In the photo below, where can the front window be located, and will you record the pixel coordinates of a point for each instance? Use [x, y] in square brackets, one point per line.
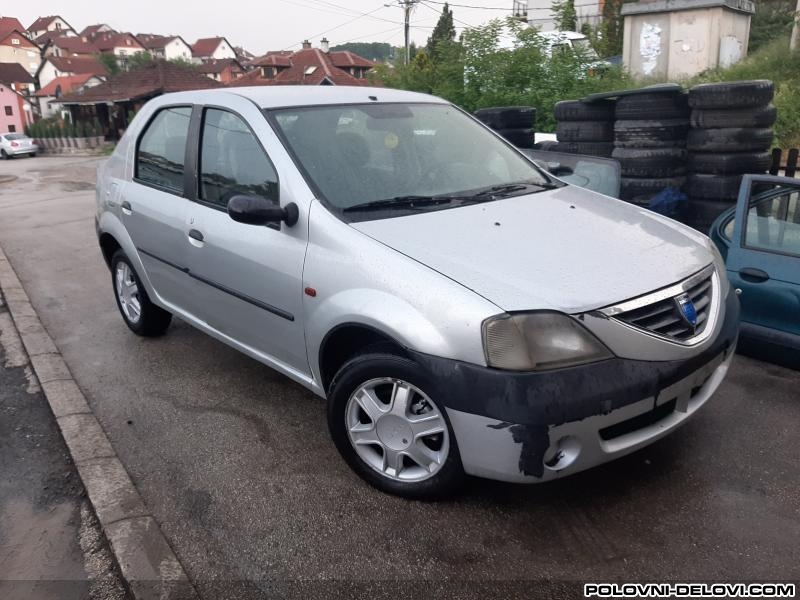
[370, 153]
[773, 224]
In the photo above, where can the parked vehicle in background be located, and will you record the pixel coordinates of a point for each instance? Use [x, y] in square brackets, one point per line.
[760, 240]
[15, 144]
[578, 43]
[462, 311]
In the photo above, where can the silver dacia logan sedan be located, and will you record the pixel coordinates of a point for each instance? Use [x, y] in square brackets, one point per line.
[462, 311]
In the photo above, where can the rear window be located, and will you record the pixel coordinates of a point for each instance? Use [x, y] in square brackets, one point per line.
[161, 149]
[15, 136]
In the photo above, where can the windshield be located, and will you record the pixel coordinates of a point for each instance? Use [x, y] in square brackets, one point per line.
[367, 153]
[585, 46]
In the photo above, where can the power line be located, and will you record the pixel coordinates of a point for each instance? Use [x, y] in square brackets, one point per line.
[472, 6]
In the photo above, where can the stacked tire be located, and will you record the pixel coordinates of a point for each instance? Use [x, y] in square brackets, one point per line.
[650, 143]
[731, 134]
[585, 127]
[515, 123]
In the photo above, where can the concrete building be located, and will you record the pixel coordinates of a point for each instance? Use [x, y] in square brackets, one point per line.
[675, 39]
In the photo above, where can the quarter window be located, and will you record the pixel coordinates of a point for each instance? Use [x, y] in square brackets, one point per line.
[161, 150]
[773, 224]
[232, 161]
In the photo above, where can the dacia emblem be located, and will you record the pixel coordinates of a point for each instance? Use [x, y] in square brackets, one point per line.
[687, 310]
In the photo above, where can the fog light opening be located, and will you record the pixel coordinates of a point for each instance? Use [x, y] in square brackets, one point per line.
[562, 454]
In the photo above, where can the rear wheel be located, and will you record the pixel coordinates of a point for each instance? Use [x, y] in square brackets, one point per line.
[4, 155]
[139, 313]
[391, 431]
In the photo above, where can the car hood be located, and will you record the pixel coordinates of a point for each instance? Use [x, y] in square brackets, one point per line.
[566, 249]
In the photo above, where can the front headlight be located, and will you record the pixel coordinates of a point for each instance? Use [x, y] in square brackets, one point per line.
[539, 341]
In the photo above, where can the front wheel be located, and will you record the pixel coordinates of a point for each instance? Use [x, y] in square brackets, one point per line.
[390, 430]
[139, 313]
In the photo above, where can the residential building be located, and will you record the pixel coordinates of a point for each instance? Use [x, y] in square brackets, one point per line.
[55, 66]
[309, 66]
[53, 23]
[113, 100]
[17, 78]
[243, 56]
[121, 45]
[683, 38]
[15, 111]
[91, 31]
[17, 48]
[50, 95]
[8, 24]
[70, 46]
[168, 47]
[224, 70]
[539, 13]
[212, 48]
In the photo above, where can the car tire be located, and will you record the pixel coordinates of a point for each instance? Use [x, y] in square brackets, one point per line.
[601, 149]
[644, 106]
[32, 155]
[521, 138]
[713, 187]
[4, 155]
[702, 212]
[734, 163]
[735, 94]
[711, 118]
[131, 297]
[585, 131]
[651, 162]
[651, 133]
[508, 117]
[378, 370]
[730, 139]
[575, 110]
[642, 188]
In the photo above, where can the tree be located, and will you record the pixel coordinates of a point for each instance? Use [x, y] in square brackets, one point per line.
[377, 51]
[773, 19]
[138, 60]
[565, 16]
[109, 61]
[443, 33]
[609, 36]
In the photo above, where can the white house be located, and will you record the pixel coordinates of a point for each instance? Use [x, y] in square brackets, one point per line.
[168, 47]
[53, 23]
[539, 13]
[48, 96]
[216, 48]
[55, 66]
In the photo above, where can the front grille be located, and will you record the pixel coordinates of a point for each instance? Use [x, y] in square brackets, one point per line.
[664, 318]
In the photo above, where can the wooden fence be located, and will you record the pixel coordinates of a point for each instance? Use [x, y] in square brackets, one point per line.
[790, 166]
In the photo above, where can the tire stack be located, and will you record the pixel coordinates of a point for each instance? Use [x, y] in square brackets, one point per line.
[585, 127]
[650, 143]
[731, 134]
[515, 123]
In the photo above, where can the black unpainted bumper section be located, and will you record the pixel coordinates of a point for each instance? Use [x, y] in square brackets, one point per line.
[529, 403]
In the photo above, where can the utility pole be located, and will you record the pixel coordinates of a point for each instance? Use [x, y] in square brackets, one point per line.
[408, 7]
[796, 30]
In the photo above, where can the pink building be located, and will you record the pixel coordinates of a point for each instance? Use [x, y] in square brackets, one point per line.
[15, 111]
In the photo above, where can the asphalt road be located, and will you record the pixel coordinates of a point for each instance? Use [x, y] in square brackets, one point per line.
[51, 545]
[235, 462]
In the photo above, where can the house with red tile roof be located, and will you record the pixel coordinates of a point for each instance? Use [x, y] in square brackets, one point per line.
[8, 24]
[169, 47]
[17, 78]
[17, 111]
[51, 23]
[309, 66]
[60, 66]
[16, 47]
[90, 31]
[122, 45]
[212, 48]
[50, 95]
[70, 46]
[224, 70]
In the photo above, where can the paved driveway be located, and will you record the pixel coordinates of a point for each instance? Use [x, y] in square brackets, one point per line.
[235, 462]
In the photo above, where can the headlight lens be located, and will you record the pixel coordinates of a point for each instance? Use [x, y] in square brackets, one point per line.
[539, 341]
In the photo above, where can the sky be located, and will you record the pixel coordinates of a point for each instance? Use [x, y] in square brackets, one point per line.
[261, 25]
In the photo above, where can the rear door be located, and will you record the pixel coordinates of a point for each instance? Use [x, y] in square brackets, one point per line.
[764, 256]
[252, 275]
[154, 208]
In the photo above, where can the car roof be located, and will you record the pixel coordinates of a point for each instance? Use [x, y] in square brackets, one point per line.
[284, 96]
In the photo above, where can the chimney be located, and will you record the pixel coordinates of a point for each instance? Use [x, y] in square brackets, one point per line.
[306, 45]
[324, 45]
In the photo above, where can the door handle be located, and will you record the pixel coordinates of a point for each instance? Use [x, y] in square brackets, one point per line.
[126, 207]
[196, 235]
[753, 275]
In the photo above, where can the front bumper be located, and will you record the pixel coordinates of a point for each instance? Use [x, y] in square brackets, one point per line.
[533, 427]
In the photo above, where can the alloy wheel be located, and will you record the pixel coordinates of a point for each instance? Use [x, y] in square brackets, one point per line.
[128, 292]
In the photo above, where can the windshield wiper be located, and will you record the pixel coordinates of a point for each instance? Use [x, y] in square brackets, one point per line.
[400, 202]
[508, 189]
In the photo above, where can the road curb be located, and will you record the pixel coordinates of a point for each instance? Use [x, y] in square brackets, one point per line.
[146, 561]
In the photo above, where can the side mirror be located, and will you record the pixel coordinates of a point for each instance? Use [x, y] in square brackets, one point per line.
[254, 210]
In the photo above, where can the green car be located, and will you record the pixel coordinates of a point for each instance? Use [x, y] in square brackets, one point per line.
[760, 241]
